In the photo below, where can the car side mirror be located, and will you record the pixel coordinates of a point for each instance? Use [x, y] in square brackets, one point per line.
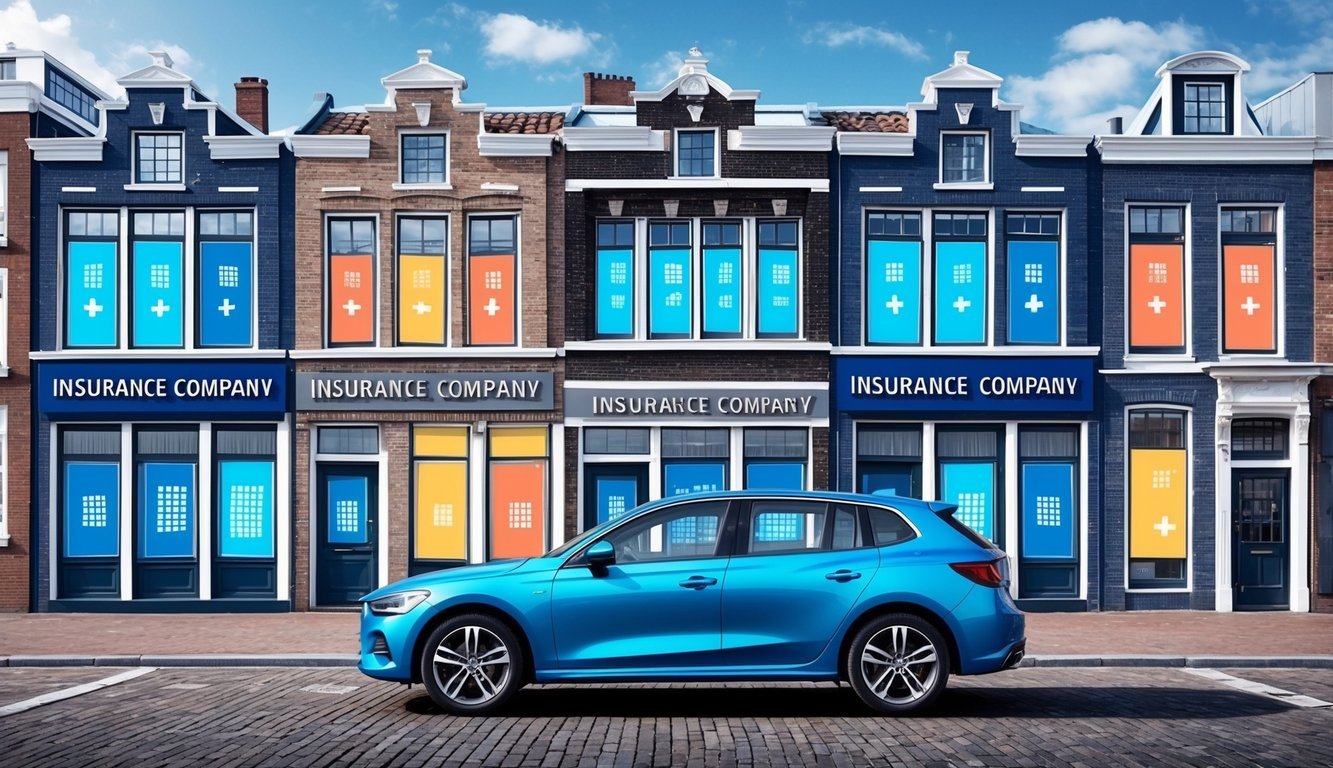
[601, 554]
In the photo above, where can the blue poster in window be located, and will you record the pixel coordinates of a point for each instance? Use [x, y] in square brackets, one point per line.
[1049, 513]
[159, 317]
[166, 510]
[1034, 292]
[92, 509]
[779, 289]
[971, 486]
[722, 290]
[348, 501]
[225, 284]
[960, 293]
[670, 292]
[893, 292]
[245, 509]
[776, 476]
[895, 481]
[90, 295]
[616, 496]
[615, 293]
[694, 477]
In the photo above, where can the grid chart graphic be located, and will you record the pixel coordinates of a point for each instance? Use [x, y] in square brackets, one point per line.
[229, 276]
[351, 279]
[494, 280]
[675, 299]
[92, 275]
[618, 301]
[159, 276]
[619, 273]
[673, 274]
[443, 515]
[347, 516]
[894, 272]
[615, 506]
[962, 274]
[1161, 478]
[520, 514]
[782, 301]
[726, 301]
[94, 511]
[781, 274]
[779, 527]
[421, 278]
[1249, 274]
[726, 273]
[972, 509]
[247, 512]
[1048, 510]
[1157, 272]
[172, 508]
[692, 530]
[1032, 273]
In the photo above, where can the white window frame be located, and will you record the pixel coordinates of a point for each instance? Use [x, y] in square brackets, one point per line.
[448, 276]
[324, 298]
[4, 198]
[135, 185]
[4, 356]
[401, 184]
[1279, 284]
[675, 153]
[1184, 93]
[4, 475]
[1189, 499]
[466, 257]
[1134, 358]
[986, 180]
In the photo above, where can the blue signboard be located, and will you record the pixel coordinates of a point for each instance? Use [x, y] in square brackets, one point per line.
[348, 510]
[92, 509]
[778, 283]
[90, 295]
[971, 486]
[159, 319]
[670, 292]
[1056, 384]
[202, 389]
[226, 281]
[245, 509]
[166, 510]
[722, 290]
[775, 476]
[616, 496]
[615, 292]
[1049, 512]
[1034, 292]
[893, 292]
[960, 293]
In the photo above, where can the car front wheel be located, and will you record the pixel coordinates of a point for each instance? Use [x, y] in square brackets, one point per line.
[898, 664]
[471, 665]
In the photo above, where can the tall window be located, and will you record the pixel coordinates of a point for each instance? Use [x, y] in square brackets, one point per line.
[492, 280]
[157, 291]
[517, 472]
[350, 298]
[166, 468]
[425, 158]
[696, 153]
[1205, 108]
[775, 459]
[970, 467]
[1156, 279]
[225, 277]
[670, 290]
[961, 266]
[893, 277]
[1034, 277]
[963, 158]
[779, 277]
[722, 279]
[245, 475]
[90, 510]
[440, 494]
[615, 279]
[1049, 525]
[1158, 493]
[1249, 280]
[92, 262]
[694, 460]
[423, 278]
[158, 158]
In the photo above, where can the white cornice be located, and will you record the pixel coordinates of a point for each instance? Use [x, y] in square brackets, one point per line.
[1041, 145]
[781, 138]
[68, 149]
[432, 353]
[759, 346]
[349, 146]
[157, 354]
[876, 144]
[1014, 350]
[614, 138]
[515, 144]
[1206, 149]
[243, 147]
[814, 185]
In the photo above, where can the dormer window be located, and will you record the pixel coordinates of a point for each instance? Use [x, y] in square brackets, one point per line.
[425, 158]
[963, 158]
[8, 70]
[158, 158]
[1205, 108]
[696, 153]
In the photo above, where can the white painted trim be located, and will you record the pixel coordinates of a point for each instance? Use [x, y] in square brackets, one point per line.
[987, 178]
[1041, 189]
[398, 186]
[876, 144]
[881, 189]
[127, 511]
[382, 513]
[238, 189]
[698, 345]
[340, 189]
[498, 186]
[1013, 508]
[696, 182]
[158, 354]
[421, 352]
[1085, 552]
[1206, 149]
[1004, 350]
[515, 144]
[244, 147]
[963, 186]
[154, 187]
[282, 509]
[68, 149]
[781, 138]
[78, 189]
[614, 138]
[1044, 145]
[204, 520]
[341, 145]
[556, 490]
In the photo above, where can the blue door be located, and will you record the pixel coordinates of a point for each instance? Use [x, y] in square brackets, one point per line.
[658, 606]
[345, 567]
[1259, 539]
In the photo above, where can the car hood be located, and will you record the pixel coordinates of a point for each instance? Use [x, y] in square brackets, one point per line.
[448, 576]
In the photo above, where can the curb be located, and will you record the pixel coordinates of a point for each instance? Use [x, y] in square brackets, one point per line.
[1166, 661]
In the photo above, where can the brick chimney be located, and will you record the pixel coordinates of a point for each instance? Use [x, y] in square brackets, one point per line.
[252, 102]
[611, 90]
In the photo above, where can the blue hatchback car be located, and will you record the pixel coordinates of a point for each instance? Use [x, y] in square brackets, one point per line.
[890, 594]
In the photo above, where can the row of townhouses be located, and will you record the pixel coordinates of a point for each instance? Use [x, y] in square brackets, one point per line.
[246, 371]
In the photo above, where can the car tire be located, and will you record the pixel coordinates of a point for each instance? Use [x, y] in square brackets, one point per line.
[898, 664]
[472, 664]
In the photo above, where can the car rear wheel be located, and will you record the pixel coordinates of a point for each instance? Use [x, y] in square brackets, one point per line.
[472, 665]
[898, 664]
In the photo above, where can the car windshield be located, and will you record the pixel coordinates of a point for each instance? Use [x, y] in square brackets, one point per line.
[582, 538]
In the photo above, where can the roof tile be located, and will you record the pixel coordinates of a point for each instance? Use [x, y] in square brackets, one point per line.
[524, 122]
[344, 124]
[868, 122]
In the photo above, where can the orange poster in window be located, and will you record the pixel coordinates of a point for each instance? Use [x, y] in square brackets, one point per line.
[491, 297]
[352, 299]
[1157, 295]
[1249, 297]
[518, 509]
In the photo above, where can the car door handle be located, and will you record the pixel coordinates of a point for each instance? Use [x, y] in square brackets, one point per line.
[698, 582]
[842, 575]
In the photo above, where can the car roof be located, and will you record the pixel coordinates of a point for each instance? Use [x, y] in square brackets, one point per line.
[840, 496]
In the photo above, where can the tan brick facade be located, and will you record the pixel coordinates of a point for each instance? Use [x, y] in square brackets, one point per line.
[1321, 391]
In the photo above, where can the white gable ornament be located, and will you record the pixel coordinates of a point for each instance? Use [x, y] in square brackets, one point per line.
[964, 112]
[158, 111]
[696, 111]
[423, 112]
[671, 207]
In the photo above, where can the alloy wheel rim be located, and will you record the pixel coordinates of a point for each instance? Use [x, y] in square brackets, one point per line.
[900, 664]
[471, 665]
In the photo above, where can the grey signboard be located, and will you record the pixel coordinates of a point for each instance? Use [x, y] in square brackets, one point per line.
[425, 391]
[686, 403]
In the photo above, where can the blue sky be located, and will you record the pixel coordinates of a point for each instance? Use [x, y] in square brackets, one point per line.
[1070, 64]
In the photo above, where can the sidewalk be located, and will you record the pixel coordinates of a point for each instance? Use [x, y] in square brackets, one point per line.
[1154, 638]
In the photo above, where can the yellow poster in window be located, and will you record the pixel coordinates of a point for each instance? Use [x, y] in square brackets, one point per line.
[421, 305]
[441, 510]
[1157, 503]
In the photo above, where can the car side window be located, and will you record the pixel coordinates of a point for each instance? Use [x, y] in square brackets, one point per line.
[846, 528]
[889, 527]
[675, 533]
[786, 526]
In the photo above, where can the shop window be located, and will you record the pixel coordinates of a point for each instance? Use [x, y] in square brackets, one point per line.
[695, 460]
[1249, 280]
[440, 493]
[670, 288]
[893, 277]
[166, 468]
[1158, 499]
[349, 440]
[350, 306]
[970, 477]
[517, 477]
[615, 279]
[775, 459]
[888, 459]
[225, 277]
[961, 269]
[1157, 307]
[492, 280]
[245, 466]
[1049, 522]
[91, 272]
[616, 441]
[90, 511]
[423, 280]
[723, 277]
[1033, 251]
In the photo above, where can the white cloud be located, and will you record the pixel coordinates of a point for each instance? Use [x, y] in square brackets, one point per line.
[388, 7]
[1131, 39]
[1271, 73]
[662, 70]
[516, 37]
[837, 35]
[134, 56]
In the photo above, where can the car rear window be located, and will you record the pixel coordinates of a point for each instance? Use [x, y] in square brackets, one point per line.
[889, 527]
[946, 514]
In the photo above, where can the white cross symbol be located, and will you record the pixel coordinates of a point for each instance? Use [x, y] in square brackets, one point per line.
[421, 307]
[1250, 305]
[492, 307]
[226, 307]
[894, 303]
[351, 306]
[1157, 304]
[159, 309]
[1034, 303]
[962, 304]
[92, 307]
[1166, 526]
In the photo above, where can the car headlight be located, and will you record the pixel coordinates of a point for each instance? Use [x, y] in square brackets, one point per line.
[398, 603]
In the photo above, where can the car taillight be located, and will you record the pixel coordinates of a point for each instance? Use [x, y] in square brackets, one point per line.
[987, 573]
